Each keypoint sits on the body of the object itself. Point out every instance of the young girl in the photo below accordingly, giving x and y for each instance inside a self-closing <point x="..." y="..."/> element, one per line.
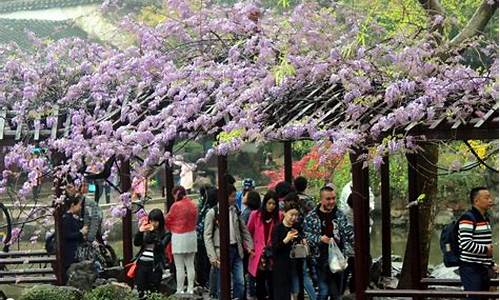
<point x="181" y="221"/>
<point x="261" y="225"/>
<point x="286" y="270"/>
<point x="151" y="260"/>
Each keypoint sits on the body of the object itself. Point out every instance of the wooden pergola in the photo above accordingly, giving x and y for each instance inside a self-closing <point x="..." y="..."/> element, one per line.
<point x="321" y="104"/>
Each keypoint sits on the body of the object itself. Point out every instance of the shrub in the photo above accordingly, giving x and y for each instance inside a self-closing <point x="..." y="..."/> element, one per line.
<point x="156" y="296"/>
<point x="50" y="292"/>
<point x="110" y="292"/>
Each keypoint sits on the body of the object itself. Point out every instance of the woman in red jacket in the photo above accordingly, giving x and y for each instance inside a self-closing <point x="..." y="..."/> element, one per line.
<point x="260" y="225"/>
<point x="181" y="222"/>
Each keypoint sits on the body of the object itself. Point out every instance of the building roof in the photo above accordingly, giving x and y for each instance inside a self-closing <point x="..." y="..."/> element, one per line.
<point x="14" y="30"/>
<point x="7" y="6"/>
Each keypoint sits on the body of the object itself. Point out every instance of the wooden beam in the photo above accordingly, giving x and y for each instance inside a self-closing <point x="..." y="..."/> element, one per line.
<point x="53" y="133"/>
<point x="169" y="180"/>
<point x="19" y="131"/>
<point x="67" y="124"/>
<point x="58" y="212"/>
<point x="125" y="185"/>
<point x="430" y="294"/>
<point x="225" y="267"/>
<point x="361" y="207"/>
<point x="488" y="116"/>
<point x="3" y="116"/>
<point x="36" y="128"/>
<point x="414" y="232"/>
<point x="287" y="148"/>
<point x="386" y="218"/>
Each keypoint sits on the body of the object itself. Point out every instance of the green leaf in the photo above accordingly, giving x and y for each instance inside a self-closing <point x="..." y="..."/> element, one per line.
<point x="421" y="198"/>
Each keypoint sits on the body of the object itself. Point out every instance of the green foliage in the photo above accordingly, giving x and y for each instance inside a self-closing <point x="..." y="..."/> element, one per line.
<point x="342" y="175"/>
<point x="110" y="292"/>
<point x="301" y="148"/>
<point x="228" y="136"/>
<point x="191" y="150"/>
<point x="407" y="16"/>
<point x="157" y="296"/>
<point x="50" y="292"/>
<point x="283" y="70"/>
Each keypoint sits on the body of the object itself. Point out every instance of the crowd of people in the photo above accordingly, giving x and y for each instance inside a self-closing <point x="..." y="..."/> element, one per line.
<point x="279" y="242"/>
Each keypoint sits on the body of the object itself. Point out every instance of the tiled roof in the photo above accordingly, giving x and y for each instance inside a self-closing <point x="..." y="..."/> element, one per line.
<point x="14" y="30"/>
<point x="23" y="5"/>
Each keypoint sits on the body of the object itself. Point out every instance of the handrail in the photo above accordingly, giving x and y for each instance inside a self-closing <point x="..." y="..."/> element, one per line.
<point x="449" y="282"/>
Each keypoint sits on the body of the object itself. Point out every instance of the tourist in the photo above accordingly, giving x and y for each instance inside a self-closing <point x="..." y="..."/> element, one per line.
<point x="151" y="260"/>
<point x="261" y="225"/>
<point x="475" y="242"/>
<point x="181" y="222"/>
<point x="309" y="261"/>
<point x="251" y="202"/>
<point x="208" y="198"/>
<point x="240" y="240"/>
<point x="92" y="217"/>
<point x="286" y="270"/>
<point x="73" y="231"/>
<point x="248" y="185"/>
<point x="307" y="202"/>
<point x="323" y="225"/>
<point x="282" y="189"/>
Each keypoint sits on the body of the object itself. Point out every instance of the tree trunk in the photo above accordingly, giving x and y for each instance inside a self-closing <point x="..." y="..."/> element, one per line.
<point x="426" y="183"/>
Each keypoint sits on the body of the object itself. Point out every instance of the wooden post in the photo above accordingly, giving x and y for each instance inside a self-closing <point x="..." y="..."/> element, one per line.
<point x="225" y="268"/>
<point x="386" y="218"/>
<point x="287" y="149"/>
<point x="169" y="181"/>
<point x="125" y="184"/>
<point x="58" y="213"/>
<point x="414" y="235"/>
<point x="360" y="196"/>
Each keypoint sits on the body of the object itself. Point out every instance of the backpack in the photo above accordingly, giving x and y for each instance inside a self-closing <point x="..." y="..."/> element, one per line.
<point x="448" y="242"/>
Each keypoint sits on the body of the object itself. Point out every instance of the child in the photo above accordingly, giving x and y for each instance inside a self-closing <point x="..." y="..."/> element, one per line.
<point x="151" y="260"/>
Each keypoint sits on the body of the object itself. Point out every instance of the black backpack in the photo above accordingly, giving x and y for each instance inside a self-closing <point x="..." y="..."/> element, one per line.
<point x="448" y="241"/>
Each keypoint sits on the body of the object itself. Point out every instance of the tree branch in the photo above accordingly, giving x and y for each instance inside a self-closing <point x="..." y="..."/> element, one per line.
<point x="477" y="23"/>
<point x="479" y="159"/>
<point x="433" y="9"/>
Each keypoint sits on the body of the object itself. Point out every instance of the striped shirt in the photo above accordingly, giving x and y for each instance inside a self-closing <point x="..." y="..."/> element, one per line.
<point x="148" y="254"/>
<point x="474" y="236"/>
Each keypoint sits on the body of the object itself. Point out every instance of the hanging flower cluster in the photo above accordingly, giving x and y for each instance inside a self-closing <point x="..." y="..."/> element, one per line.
<point x="213" y="70"/>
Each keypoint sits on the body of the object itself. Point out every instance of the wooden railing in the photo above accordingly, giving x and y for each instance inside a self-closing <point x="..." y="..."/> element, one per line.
<point x="370" y="294"/>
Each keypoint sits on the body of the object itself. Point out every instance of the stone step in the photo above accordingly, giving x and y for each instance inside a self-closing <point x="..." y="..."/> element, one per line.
<point x="33" y="279"/>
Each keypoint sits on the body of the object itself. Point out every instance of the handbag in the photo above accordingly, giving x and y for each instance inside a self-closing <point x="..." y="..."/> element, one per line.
<point x="336" y="260"/>
<point x="299" y="250"/>
<point x="86" y="251"/>
<point x="132" y="271"/>
<point x="265" y="259"/>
